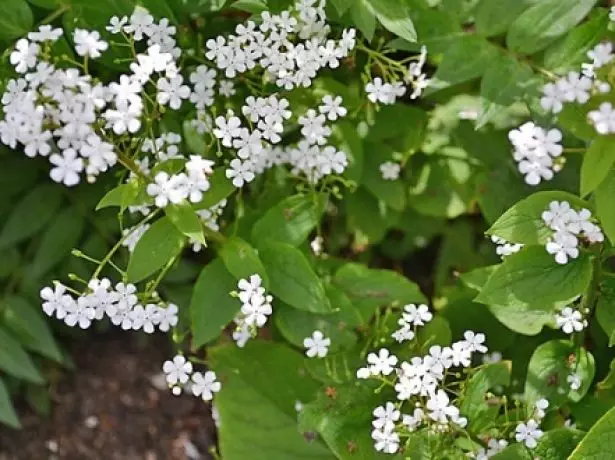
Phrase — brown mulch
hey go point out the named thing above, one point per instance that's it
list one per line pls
(110, 409)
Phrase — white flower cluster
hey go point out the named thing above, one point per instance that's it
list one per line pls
(529, 432)
(504, 248)
(120, 304)
(189, 185)
(291, 46)
(255, 309)
(421, 381)
(569, 225)
(179, 373)
(494, 447)
(64, 114)
(412, 317)
(317, 345)
(387, 93)
(536, 151)
(165, 147)
(570, 320)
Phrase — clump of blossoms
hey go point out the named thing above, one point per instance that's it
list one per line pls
(569, 227)
(504, 248)
(255, 309)
(179, 374)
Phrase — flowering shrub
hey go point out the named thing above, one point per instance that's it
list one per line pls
(278, 173)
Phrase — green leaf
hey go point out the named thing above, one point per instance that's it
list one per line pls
(364, 18)
(160, 244)
(348, 140)
(515, 451)
(31, 214)
(290, 221)
(436, 332)
(295, 325)
(541, 24)
(475, 405)
(61, 236)
(523, 222)
(608, 383)
(468, 58)
(493, 17)
(28, 325)
(598, 442)
(597, 163)
(16, 19)
(15, 361)
(242, 260)
(370, 288)
(570, 51)
(46, 4)
(605, 197)
(532, 277)
(122, 196)
(212, 308)
(220, 189)
(605, 313)
(186, 220)
(505, 82)
(402, 136)
(550, 365)
(260, 386)
(394, 15)
(368, 216)
(343, 421)
(342, 5)
(8, 416)
(292, 279)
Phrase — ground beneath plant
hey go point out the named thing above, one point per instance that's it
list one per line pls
(114, 407)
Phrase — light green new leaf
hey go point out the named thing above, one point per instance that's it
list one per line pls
(31, 214)
(242, 260)
(605, 197)
(29, 326)
(549, 368)
(292, 279)
(597, 163)
(16, 19)
(598, 442)
(542, 23)
(186, 220)
(394, 15)
(160, 243)
(290, 221)
(212, 308)
(15, 361)
(523, 222)
(8, 416)
(532, 277)
(260, 385)
(123, 195)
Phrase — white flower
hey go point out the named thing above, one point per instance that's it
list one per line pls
(144, 317)
(603, 118)
(540, 408)
(377, 91)
(612, 13)
(575, 87)
(250, 287)
(256, 310)
(79, 313)
(24, 55)
(89, 43)
(226, 88)
(45, 33)
(140, 23)
(313, 127)
(167, 189)
(382, 363)
(226, 130)
(317, 345)
(569, 320)
(474, 342)
(116, 24)
(439, 408)
(205, 385)
(403, 334)
(413, 421)
(416, 316)
(332, 107)
(528, 433)
(390, 170)
(171, 91)
(558, 215)
(386, 441)
(56, 300)
(240, 172)
(574, 380)
(178, 370)
(601, 54)
(564, 246)
(386, 416)
(67, 167)
(553, 98)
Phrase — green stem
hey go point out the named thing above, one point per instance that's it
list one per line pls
(590, 296)
(56, 14)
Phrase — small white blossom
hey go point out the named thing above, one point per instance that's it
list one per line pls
(205, 385)
(528, 433)
(317, 345)
(178, 370)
